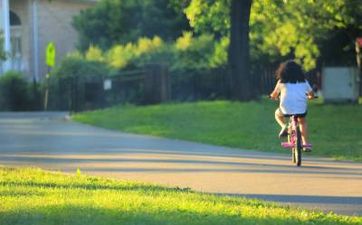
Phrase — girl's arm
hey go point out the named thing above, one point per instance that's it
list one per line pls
(276, 91)
(310, 93)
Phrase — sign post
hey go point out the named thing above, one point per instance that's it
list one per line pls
(50, 55)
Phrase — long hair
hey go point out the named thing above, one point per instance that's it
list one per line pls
(290, 72)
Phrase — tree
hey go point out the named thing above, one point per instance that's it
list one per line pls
(121, 21)
(281, 29)
(238, 57)
(228, 18)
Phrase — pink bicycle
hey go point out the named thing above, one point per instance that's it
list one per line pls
(294, 140)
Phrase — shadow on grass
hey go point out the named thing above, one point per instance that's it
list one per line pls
(81, 215)
(92, 186)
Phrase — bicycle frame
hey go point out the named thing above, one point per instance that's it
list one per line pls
(294, 140)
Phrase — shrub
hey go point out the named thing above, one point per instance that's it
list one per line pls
(15, 92)
(186, 54)
(145, 50)
(77, 84)
(94, 54)
(193, 53)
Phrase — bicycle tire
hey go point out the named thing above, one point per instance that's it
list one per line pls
(298, 148)
(290, 137)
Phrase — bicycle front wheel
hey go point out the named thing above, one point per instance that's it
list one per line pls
(298, 148)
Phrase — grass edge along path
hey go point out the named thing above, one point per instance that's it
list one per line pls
(335, 130)
(34, 196)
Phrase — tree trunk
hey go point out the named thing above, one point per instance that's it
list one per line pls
(239, 59)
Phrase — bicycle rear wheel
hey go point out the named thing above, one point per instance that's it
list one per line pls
(297, 153)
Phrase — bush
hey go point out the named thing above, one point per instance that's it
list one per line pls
(188, 53)
(77, 84)
(145, 50)
(193, 53)
(16, 94)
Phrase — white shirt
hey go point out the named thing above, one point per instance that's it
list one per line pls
(293, 97)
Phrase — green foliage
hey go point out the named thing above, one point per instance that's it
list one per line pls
(119, 56)
(16, 94)
(34, 196)
(193, 53)
(209, 16)
(143, 51)
(186, 53)
(67, 90)
(94, 54)
(75, 67)
(113, 22)
(224, 123)
(280, 28)
(220, 56)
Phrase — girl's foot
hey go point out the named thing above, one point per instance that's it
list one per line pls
(307, 148)
(283, 132)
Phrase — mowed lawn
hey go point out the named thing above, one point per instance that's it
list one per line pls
(37, 197)
(335, 130)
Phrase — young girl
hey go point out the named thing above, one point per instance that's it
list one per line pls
(294, 91)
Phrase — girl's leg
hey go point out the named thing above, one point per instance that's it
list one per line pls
(303, 129)
(279, 117)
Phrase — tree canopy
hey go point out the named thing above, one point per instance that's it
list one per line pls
(120, 21)
(281, 28)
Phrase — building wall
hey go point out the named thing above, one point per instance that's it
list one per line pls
(55, 24)
(54, 20)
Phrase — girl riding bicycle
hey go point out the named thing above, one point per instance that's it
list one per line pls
(294, 91)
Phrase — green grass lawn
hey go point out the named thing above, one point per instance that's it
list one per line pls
(335, 130)
(37, 197)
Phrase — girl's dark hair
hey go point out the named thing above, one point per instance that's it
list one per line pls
(290, 72)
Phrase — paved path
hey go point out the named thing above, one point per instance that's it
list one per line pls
(49, 141)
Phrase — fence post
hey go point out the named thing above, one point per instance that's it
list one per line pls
(157, 86)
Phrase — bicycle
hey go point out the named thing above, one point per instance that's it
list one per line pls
(294, 140)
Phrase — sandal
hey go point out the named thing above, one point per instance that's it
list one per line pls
(307, 148)
(283, 132)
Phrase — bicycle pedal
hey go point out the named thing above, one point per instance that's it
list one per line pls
(287, 145)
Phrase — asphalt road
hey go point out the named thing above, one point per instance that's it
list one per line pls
(49, 141)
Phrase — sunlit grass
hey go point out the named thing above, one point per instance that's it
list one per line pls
(335, 130)
(34, 197)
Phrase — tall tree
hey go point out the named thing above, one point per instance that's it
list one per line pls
(238, 57)
(228, 18)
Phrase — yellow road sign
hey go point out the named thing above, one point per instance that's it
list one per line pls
(50, 54)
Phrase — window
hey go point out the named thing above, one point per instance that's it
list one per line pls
(14, 19)
(15, 39)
